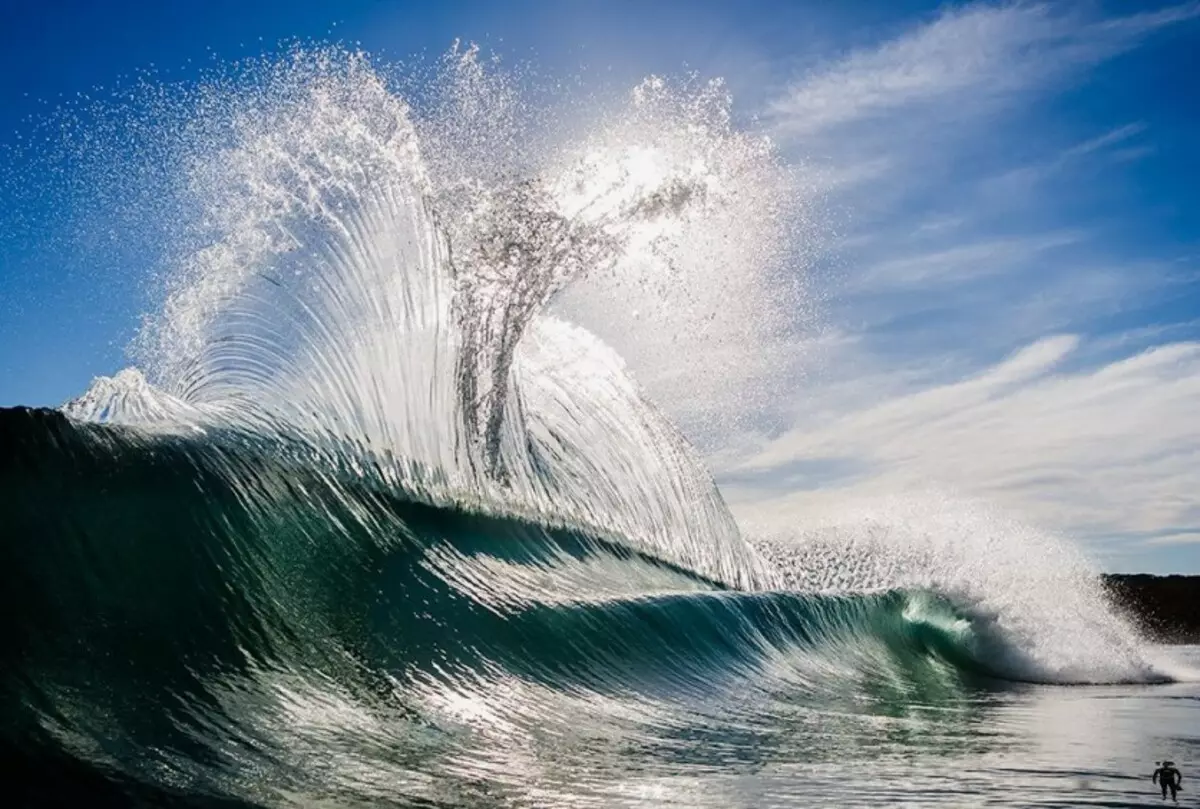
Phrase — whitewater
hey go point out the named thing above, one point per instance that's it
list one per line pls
(383, 513)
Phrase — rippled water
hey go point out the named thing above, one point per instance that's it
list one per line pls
(1017, 746)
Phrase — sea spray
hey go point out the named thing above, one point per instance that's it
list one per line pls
(1036, 598)
(329, 294)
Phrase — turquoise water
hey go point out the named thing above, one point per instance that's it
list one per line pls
(198, 618)
(1028, 746)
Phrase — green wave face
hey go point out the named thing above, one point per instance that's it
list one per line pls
(168, 594)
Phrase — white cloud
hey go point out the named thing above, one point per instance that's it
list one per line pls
(916, 110)
(1114, 136)
(969, 55)
(961, 49)
(1021, 181)
(975, 307)
(967, 261)
(1189, 536)
(1111, 449)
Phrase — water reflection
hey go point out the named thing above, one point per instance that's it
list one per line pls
(778, 739)
(1018, 746)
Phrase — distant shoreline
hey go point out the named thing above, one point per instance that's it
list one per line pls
(1166, 608)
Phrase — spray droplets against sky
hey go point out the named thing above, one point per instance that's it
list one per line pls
(669, 229)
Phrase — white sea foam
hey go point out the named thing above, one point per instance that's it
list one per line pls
(1036, 600)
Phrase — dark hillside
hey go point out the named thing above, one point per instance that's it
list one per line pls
(1166, 607)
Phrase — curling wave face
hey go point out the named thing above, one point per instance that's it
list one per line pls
(220, 612)
(370, 523)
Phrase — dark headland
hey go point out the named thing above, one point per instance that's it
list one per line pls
(1167, 608)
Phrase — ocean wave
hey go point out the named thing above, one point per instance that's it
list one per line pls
(368, 509)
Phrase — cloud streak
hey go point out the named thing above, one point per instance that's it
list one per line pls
(1105, 450)
(992, 335)
(977, 54)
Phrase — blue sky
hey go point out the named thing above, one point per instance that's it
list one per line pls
(1009, 281)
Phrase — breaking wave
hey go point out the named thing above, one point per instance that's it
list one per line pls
(375, 520)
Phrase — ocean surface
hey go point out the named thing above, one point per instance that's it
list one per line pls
(378, 517)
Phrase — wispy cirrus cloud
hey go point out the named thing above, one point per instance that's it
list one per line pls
(961, 262)
(1107, 450)
(970, 57)
(1000, 332)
